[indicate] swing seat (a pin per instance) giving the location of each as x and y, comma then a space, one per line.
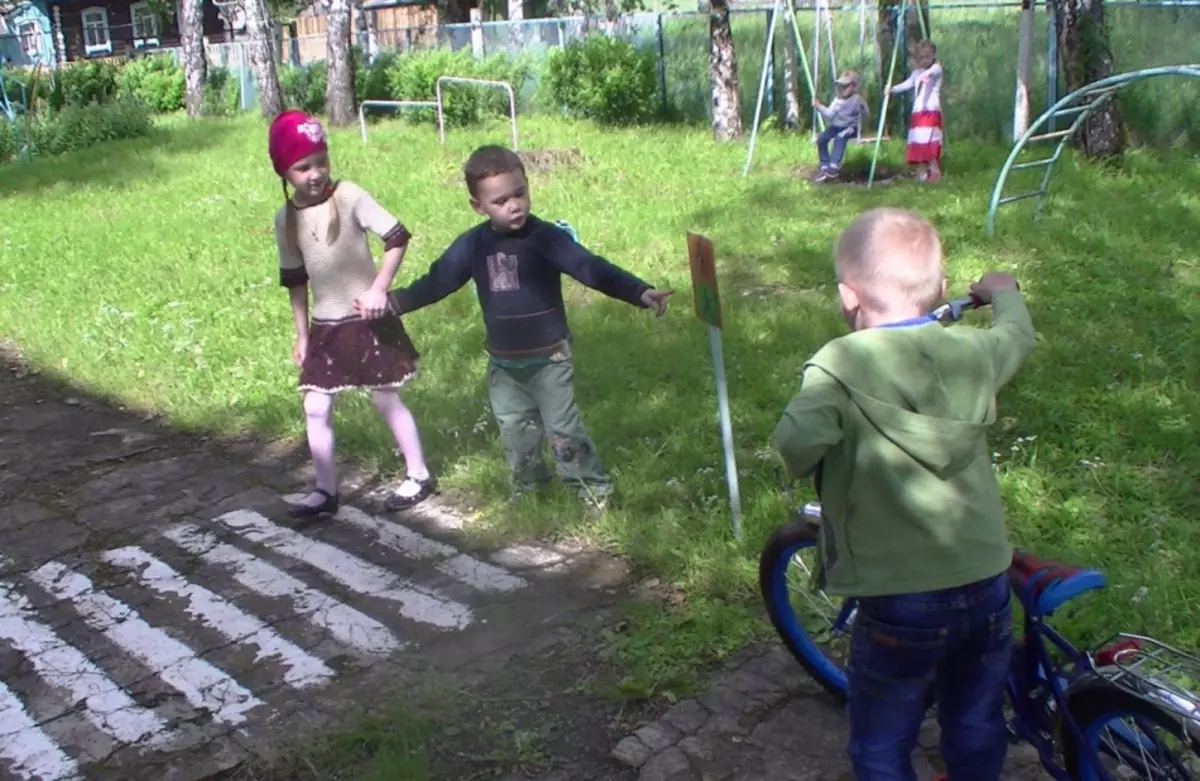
862, 140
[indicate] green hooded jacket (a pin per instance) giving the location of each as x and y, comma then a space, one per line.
897, 420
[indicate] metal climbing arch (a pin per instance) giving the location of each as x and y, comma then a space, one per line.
1077, 106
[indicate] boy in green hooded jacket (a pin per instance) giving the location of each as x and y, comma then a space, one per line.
893, 419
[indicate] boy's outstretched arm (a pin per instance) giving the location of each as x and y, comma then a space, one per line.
589, 269
1011, 337
811, 423
446, 275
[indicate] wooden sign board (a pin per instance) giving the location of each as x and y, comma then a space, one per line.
704, 279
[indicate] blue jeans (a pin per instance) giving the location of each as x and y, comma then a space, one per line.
839, 136
960, 641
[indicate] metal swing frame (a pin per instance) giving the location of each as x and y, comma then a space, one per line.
787, 7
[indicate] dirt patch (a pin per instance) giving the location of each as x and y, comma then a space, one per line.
540, 717
855, 175
546, 160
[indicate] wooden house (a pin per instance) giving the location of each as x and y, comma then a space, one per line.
85, 29
26, 39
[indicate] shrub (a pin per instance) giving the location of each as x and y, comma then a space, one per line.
414, 76
604, 79
20, 82
371, 81
156, 80
83, 83
7, 142
303, 86
79, 127
222, 94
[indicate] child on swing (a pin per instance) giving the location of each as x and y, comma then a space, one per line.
924, 148
844, 115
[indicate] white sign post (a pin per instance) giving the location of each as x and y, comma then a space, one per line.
708, 310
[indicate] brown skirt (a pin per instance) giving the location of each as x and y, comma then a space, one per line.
355, 353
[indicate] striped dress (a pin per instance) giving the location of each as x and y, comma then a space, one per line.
925, 127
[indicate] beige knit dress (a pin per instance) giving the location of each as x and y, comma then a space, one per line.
324, 246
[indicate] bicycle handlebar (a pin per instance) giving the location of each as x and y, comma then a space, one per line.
954, 309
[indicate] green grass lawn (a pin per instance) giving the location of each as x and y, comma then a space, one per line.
146, 271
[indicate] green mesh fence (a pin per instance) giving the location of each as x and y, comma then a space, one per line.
977, 46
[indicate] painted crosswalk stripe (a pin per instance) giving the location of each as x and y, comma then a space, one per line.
347, 625
218, 613
29, 751
349, 570
202, 684
460, 566
61, 666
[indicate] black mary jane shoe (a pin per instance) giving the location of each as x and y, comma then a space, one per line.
327, 507
427, 488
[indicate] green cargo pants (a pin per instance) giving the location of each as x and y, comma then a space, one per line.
538, 402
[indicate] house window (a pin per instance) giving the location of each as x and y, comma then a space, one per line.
31, 39
145, 25
95, 31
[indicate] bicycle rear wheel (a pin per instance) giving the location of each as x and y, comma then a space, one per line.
1132, 737
814, 626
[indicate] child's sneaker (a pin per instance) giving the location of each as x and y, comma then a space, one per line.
833, 173
822, 175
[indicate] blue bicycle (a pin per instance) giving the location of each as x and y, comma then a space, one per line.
1123, 712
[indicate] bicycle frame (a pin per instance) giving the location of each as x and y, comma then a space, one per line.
1037, 687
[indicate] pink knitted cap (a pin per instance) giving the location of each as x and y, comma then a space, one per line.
293, 136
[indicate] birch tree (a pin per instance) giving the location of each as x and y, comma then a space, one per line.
723, 74
190, 14
262, 58
339, 84
1086, 57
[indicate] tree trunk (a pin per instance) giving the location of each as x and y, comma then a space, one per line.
913, 26
791, 89
339, 88
190, 14
885, 39
722, 73
368, 32
1085, 57
262, 59
456, 12
516, 30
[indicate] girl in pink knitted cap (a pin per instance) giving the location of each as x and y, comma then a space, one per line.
353, 340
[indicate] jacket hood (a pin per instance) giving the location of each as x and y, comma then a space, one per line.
919, 387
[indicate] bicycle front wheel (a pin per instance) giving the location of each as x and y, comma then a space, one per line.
814, 626
1131, 738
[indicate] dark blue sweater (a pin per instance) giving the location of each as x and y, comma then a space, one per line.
518, 279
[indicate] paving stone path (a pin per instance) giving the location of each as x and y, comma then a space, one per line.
161, 618
764, 719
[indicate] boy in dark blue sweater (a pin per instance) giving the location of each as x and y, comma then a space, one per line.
517, 261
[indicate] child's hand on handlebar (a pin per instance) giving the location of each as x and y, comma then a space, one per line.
990, 284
